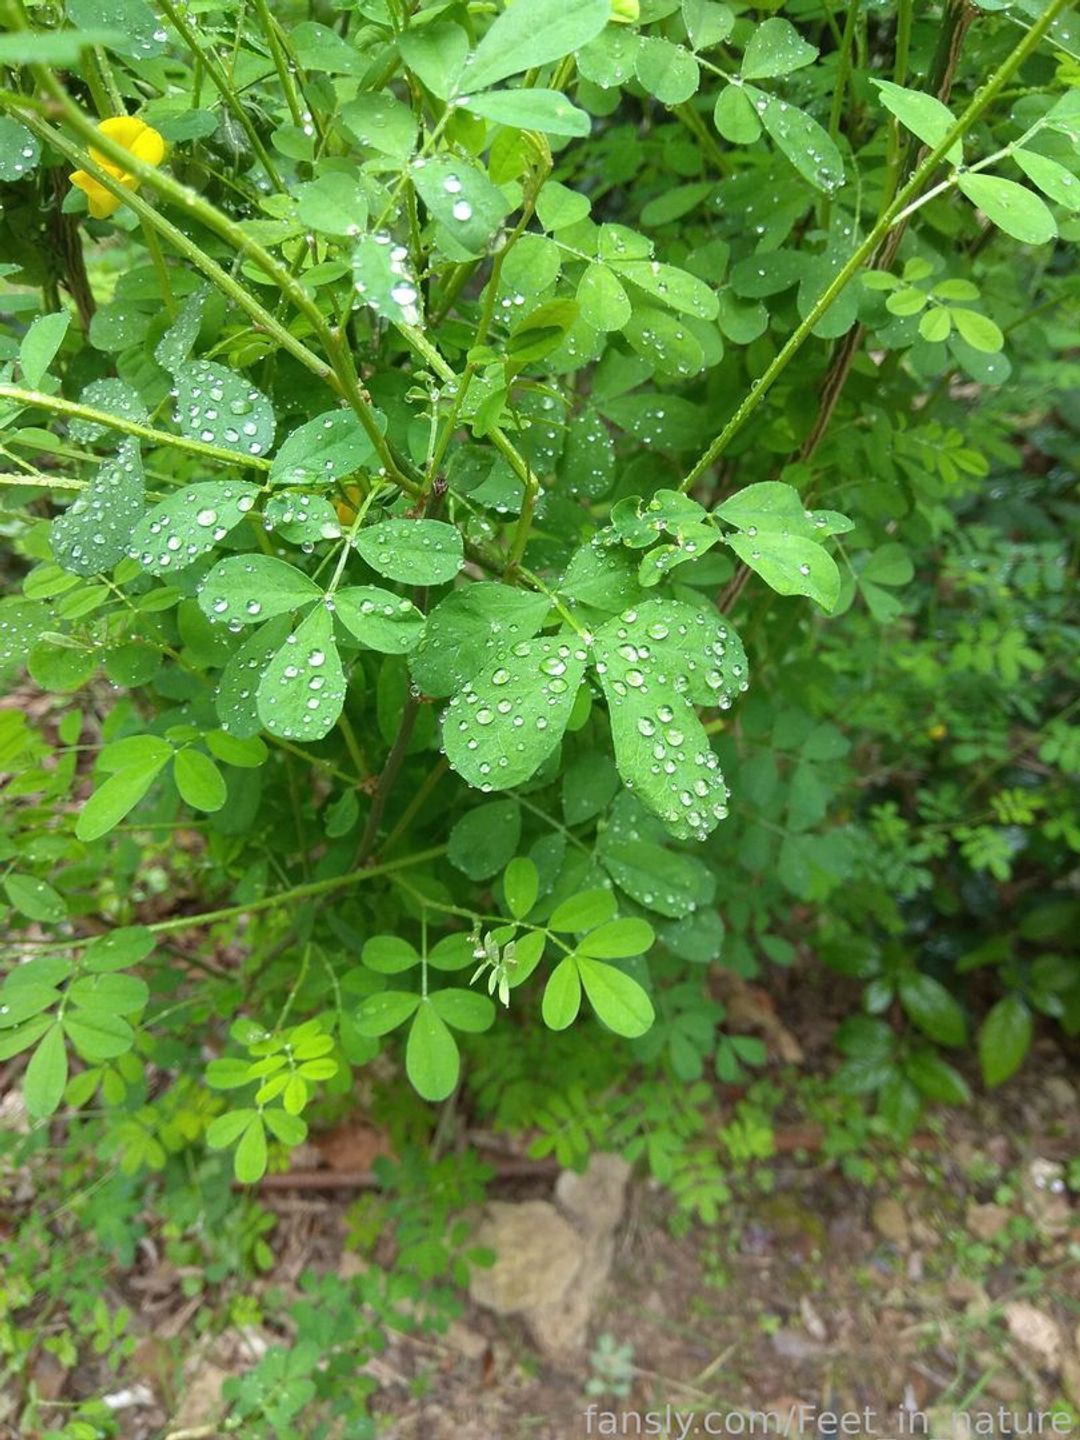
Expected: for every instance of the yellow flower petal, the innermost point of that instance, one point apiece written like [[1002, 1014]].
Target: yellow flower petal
[[140, 140]]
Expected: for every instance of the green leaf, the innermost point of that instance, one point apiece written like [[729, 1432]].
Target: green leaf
[[236, 698], [654, 662], [775, 48], [249, 1158], [501, 727], [924, 115], [562, 995], [40, 344], [114, 994], [601, 299], [302, 689], [484, 839], [333, 204], [219, 407], [675, 288], [383, 280], [135, 29], [534, 33], [389, 954], [546, 110], [618, 940], [667, 71], [225, 1130], [318, 47], [790, 565], [186, 526], [19, 150], [248, 589], [464, 1010], [521, 886], [471, 627], [936, 1079], [414, 552], [664, 882], [584, 911], [36, 899], [117, 797], [46, 1075], [936, 325], [618, 1001], [174, 347], [284, 1125], [21, 1002], [323, 451], [468, 206], [1052, 178], [22, 621], [93, 533], [380, 121], [1004, 1039], [432, 1061], [114, 396], [1011, 207], [381, 1013], [98, 1035], [707, 23], [803, 141], [379, 619], [735, 116], [199, 781], [118, 949], [930, 1006], [979, 331]]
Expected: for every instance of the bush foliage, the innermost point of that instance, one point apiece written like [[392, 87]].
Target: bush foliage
[[510, 510]]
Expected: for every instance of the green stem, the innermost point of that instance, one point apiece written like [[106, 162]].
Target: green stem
[[73, 411], [161, 270], [291, 896], [901, 204]]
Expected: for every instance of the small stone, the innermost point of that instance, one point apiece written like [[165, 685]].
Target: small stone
[[537, 1255], [986, 1222], [594, 1200], [1036, 1331], [890, 1222]]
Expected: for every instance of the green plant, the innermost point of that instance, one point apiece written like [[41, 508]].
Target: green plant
[[507, 512]]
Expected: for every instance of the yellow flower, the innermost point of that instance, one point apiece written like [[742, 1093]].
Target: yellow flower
[[138, 139]]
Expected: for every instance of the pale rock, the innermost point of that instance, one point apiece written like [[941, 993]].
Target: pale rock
[[890, 1222], [986, 1222], [1036, 1331]]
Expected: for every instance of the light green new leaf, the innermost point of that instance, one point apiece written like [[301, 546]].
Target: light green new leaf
[[413, 552], [432, 1061], [980, 332], [924, 115], [379, 619], [235, 700], [225, 1130], [618, 939], [562, 995], [775, 48], [805, 143], [19, 150], [46, 1075], [389, 954], [383, 280], [381, 1013], [471, 627], [219, 407], [323, 451], [618, 1001], [1011, 207], [501, 727], [40, 344], [601, 299], [435, 53], [302, 689], [248, 589], [546, 110], [460, 196], [249, 1158], [199, 781], [530, 33], [93, 533], [186, 526]]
